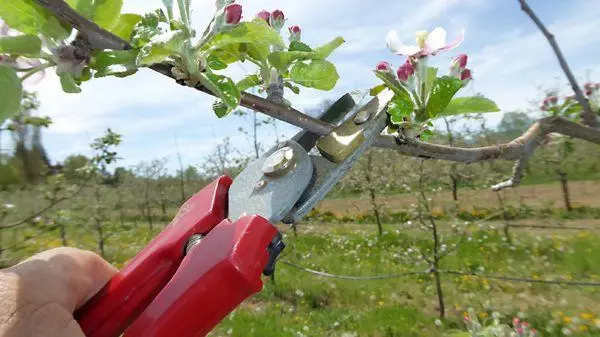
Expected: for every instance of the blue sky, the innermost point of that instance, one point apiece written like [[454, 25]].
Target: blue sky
[[157, 118]]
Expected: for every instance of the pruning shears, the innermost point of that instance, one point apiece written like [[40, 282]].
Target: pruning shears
[[210, 258]]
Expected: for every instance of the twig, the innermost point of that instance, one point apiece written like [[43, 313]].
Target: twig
[[20, 245], [588, 116], [53, 203], [355, 278], [518, 279]]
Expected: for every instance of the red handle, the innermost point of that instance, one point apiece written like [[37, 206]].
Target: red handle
[[214, 278], [125, 296]]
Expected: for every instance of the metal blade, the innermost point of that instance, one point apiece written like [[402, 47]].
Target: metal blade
[[336, 112], [328, 173]]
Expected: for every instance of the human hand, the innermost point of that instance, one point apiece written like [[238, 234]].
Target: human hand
[[39, 295]]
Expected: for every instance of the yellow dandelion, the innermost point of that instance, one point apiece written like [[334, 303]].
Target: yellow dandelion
[[483, 315], [567, 319], [587, 315], [582, 328]]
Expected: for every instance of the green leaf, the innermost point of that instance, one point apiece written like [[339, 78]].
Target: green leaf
[[442, 91], [299, 46], [318, 74], [148, 27], [107, 12], [292, 87], [125, 24], [223, 87], [393, 84], [463, 105], [11, 91], [426, 135], [23, 45], [400, 106], [431, 76], [119, 63], [281, 60], [248, 82], [28, 17], [221, 109], [254, 38], [68, 83], [216, 63], [83, 7], [161, 47], [169, 6], [377, 89], [325, 50]]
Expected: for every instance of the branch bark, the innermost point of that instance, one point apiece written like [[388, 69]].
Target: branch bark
[[519, 149], [588, 115]]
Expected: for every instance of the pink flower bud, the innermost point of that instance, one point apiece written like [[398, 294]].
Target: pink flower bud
[[588, 92], [460, 61], [526, 325], [570, 98], [295, 33], [588, 86], [533, 332], [264, 15], [466, 75], [233, 14], [544, 107], [383, 66], [466, 319], [277, 19], [552, 100], [405, 71], [516, 321], [520, 331]]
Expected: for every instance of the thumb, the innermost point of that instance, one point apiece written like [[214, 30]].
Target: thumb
[[68, 277]]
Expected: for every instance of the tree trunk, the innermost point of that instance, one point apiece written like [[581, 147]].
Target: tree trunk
[[372, 193], [505, 216], [454, 187], [440, 293], [564, 181], [181, 179], [98, 222], [63, 235]]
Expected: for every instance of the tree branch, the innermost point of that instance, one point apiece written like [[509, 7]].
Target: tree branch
[[519, 149], [96, 36], [588, 115]]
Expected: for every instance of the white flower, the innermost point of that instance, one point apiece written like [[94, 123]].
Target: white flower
[[566, 331], [229, 331], [438, 322], [305, 328], [9, 206], [299, 293], [336, 324], [427, 43]]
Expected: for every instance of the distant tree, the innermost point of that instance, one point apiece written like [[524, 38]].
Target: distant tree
[[513, 124], [73, 167]]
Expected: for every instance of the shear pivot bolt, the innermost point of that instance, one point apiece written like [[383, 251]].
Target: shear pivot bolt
[[362, 117], [279, 162]]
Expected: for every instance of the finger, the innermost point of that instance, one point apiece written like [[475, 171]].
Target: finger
[[67, 276]]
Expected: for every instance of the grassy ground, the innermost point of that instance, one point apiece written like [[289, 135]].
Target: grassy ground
[[302, 304], [299, 303]]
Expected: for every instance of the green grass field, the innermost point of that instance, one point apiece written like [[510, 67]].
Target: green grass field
[[299, 303]]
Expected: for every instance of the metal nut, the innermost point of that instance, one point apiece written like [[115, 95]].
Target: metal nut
[[362, 117], [279, 162]]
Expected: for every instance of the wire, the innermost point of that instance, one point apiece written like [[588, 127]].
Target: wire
[[518, 279], [354, 278]]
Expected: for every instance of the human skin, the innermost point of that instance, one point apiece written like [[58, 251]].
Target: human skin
[[39, 295]]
